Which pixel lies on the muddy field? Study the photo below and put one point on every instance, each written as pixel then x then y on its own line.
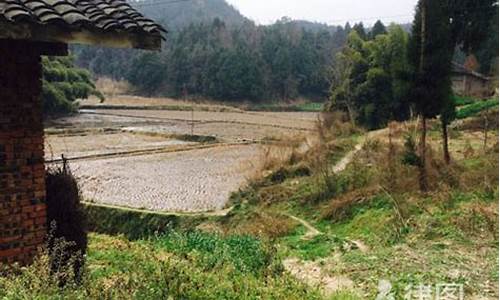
pixel 145 158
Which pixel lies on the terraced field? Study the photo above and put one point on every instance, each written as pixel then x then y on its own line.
pixel 147 158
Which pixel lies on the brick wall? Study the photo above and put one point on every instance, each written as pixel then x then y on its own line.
pixel 22 174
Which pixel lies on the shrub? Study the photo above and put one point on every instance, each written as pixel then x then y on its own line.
pixel 266 225
pixel 283 173
pixel 63 84
pixel 67 243
pixel 410 156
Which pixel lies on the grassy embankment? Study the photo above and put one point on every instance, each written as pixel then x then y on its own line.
pixel 373 224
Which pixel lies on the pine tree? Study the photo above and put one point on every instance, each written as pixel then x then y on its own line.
pixel 378 28
pixel 360 30
pixel 430 54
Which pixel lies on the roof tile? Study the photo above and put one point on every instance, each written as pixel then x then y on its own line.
pixel 101 15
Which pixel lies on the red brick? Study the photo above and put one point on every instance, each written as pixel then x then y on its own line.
pixel 10 239
pixel 40 220
pixel 21 135
pixel 29 222
pixel 28 209
pixel 10 252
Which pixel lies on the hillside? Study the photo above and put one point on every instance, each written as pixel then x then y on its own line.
pixel 329 223
pixel 180 14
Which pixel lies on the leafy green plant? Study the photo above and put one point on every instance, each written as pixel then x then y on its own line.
pixel 476 107
pixel 244 253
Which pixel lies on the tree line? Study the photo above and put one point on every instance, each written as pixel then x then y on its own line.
pixel 368 76
pixel 390 74
pixel 225 62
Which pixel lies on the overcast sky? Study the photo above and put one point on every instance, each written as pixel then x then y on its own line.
pixel 327 11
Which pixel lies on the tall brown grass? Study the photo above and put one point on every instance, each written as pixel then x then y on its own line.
pixel 111 88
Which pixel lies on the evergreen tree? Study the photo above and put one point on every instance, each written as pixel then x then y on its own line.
pixel 63 84
pixel 378 28
pixel 430 56
pixel 439 27
pixel 360 30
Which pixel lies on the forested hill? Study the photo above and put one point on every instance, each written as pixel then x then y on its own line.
pixel 212 51
pixel 178 14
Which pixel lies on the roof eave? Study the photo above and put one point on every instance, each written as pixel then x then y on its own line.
pixel 56 34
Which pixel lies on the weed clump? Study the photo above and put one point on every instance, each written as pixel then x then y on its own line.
pixel 67 242
pixel 243 252
pixel 264 225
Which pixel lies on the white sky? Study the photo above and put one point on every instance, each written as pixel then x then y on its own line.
pixel 336 12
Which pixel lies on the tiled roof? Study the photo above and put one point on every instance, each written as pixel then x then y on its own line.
pixel 102 16
pixel 460 69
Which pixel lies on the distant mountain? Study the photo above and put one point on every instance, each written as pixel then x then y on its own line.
pixel 316 26
pixel 174 15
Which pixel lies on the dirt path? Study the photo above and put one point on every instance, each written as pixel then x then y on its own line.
pixel 337 168
pixel 314 273
pixel 347 159
pixel 147 151
pixel 311 231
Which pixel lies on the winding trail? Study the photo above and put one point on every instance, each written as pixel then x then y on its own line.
pixel 315 273
pixel 337 168
pixel 311 230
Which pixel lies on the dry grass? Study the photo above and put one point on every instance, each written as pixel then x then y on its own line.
pixel 283 152
pixel 479 218
pixel 487 119
pixel 384 158
pixel 334 124
pixel 274 194
pixel 341 207
pixel 111 88
pixel 263 224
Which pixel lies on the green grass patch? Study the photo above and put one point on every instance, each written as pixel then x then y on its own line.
pixel 280 107
pixel 344 295
pixel 319 246
pixel 244 253
pixel 119 269
pixel 377 227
